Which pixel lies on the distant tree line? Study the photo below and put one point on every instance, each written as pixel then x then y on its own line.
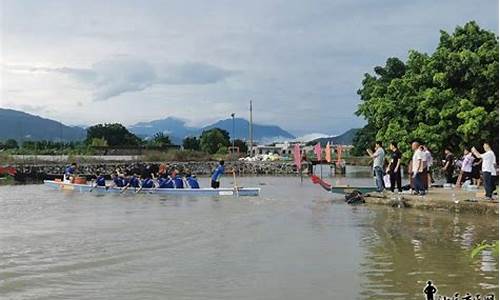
pixel 446 99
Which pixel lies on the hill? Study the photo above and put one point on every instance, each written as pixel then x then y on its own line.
pixel 178 130
pixel 19 125
pixel 343 139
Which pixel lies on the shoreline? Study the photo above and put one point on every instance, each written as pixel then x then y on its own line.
pixel 438 199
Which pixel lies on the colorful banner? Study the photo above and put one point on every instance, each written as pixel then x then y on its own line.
pixel 339 153
pixel 297 158
pixel 317 151
pixel 328 153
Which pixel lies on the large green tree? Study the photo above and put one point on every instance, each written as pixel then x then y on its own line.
pixel 448 98
pixel 191 143
pixel 114 134
pixel 214 139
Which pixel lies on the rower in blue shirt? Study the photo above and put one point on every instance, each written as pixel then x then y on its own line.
pixel 166 183
pixel 179 183
pixel 192 181
pixel 117 180
pixel 101 180
pixel 216 175
pixel 133 181
pixel 147 183
pixel 69 173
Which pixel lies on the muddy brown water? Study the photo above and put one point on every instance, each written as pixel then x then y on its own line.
pixel 293 242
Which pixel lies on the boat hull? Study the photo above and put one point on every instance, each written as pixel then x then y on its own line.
pixel 85 188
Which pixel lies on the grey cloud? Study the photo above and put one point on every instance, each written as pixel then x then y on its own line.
pixel 113 77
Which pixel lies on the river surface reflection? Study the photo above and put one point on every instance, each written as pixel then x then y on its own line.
pixel 294 242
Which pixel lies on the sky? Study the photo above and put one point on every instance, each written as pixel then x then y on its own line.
pixel 300 62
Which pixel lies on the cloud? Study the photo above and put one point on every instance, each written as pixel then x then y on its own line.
pixel 113 77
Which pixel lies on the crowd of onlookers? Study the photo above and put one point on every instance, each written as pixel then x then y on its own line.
pixel 473 168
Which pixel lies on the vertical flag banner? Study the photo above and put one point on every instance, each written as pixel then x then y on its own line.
pixel 296 156
pixel 317 151
pixel 328 153
pixel 339 153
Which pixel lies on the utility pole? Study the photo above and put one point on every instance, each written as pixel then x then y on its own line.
pixel 232 150
pixel 250 129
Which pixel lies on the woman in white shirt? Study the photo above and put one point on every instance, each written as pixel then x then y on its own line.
pixel 466 170
pixel 489 169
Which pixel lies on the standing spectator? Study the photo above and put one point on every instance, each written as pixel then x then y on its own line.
pixel 489 169
pixel 476 171
pixel 466 169
pixel 378 165
pixel 428 164
pixel 394 168
pixel 417 168
pixel 448 166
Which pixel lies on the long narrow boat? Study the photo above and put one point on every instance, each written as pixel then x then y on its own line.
pixel 342 189
pixel 240 191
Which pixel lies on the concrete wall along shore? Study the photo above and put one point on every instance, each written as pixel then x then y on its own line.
pixel 39 172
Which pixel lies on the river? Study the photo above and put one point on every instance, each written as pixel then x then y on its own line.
pixel 293 242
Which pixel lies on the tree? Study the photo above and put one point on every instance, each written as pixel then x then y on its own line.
pixel 11 144
pixel 160 139
pixel 448 98
pixel 212 140
pixel 191 143
pixel 242 145
pixel 114 134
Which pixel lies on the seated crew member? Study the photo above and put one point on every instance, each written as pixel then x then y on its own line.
pixel 179 183
pixel 192 181
pixel 69 173
pixel 147 183
pixel 165 183
pixel 101 180
pixel 117 180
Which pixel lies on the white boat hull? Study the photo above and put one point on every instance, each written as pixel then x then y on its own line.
pixel 84 188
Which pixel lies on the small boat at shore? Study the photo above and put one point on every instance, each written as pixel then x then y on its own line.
pixel 86 188
pixel 342 189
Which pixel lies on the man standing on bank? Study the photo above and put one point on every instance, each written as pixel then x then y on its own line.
pixel 489 169
pixel 394 168
pixel 378 165
pixel 216 175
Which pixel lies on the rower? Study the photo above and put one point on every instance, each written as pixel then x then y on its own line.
pixel 117 180
pixel 216 175
pixel 192 181
pixel 147 183
pixel 69 172
pixel 165 183
pixel 133 181
pixel 179 183
pixel 101 180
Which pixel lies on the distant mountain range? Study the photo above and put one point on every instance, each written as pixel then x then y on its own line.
pixel 19 125
pixel 23 126
pixel 343 139
pixel 178 130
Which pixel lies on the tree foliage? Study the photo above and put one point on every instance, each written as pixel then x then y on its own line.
pixel 114 134
pixel 242 145
pixel 214 139
pixel 448 98
pixel 161 140
pixel 191 143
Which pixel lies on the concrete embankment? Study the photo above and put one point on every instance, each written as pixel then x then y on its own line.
pixel 438 199
pixel 38 172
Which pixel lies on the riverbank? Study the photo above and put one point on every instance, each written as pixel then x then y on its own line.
pixel 438 199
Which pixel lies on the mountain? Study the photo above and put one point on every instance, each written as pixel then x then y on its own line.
pixel 177 129
pixel 241 128
pixel 23 126
pixel 343 139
